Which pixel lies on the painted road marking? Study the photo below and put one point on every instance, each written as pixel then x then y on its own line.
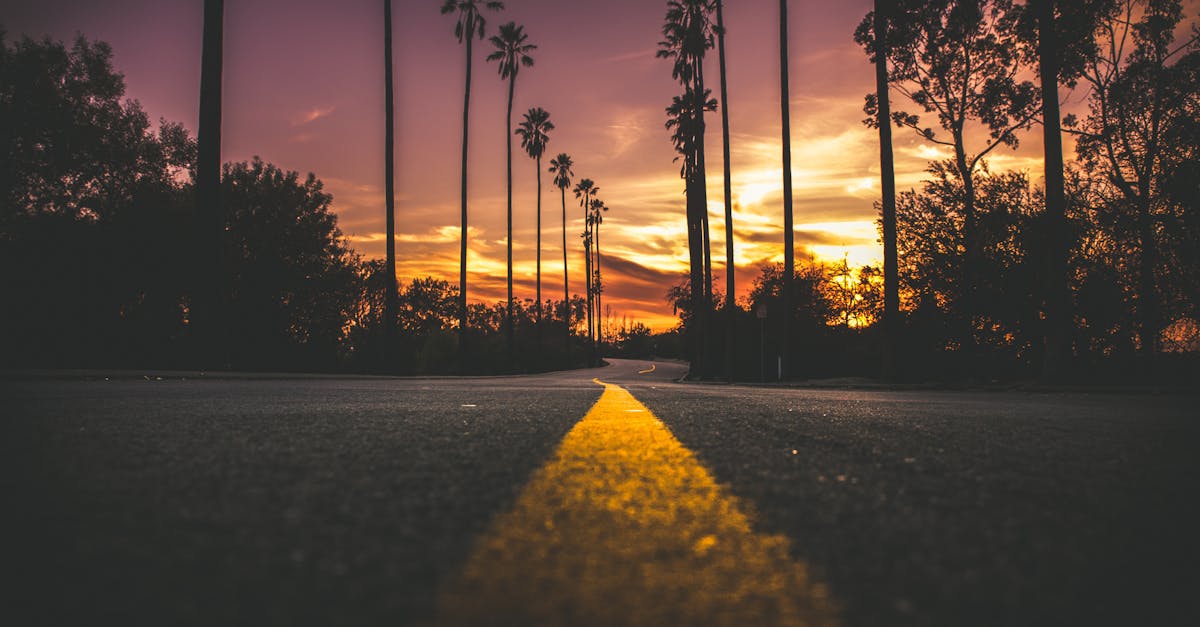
pixel 623 526
pixel 650 369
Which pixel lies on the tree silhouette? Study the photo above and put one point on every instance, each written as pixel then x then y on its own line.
pixel 585 190
pixel 880 102
pixel 291 271
pixel 1058 39
pixel 1141 136
pixel 210 314
pixel 1058 302
pixel 471 23
pixel 687 36
pixel 931 229
pixel 534 131
pixel 389 165
pixel 597 218
pixel 959 60
pixel 730 268
pixel 511 53
pixel 560 167
pixel 93 209
pixel 789 244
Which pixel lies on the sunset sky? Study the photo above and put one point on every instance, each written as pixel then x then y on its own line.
pixel 303 89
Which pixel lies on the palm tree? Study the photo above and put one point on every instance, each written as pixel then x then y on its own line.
pixel 687 35
pixel 211 308
pixel 598 207
pixel 789 254
pixel 534 131
pixel 390 305
pixel 887 173
pixel 560 167
pixel 585 189
pixel 729 265
pixel 511 52
pixel 471 23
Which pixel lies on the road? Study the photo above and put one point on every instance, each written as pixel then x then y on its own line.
pixel 600 497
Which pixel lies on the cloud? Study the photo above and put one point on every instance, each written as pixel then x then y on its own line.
pixel 312 115
pixel 638 273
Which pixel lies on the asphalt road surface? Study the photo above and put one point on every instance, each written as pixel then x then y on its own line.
pixel 612 496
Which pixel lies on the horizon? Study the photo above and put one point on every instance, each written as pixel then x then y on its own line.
pixel 302 90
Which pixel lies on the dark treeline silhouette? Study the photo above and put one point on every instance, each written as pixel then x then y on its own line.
pixel 428 337
pixel 1093 273
pixel 95 203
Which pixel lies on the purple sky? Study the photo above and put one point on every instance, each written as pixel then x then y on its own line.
pixel 303 89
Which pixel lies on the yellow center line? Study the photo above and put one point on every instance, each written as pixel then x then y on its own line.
pixel 650 369
pixel 623 526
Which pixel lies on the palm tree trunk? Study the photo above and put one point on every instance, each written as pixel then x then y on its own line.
pixel 1058 325
pixel 566 281
pixel 539 251
pixel 887 170
pixel 701 165
pixel 706 299
pixel 599 291
pixel 210 314
pixel 696 330
pixel 462 237
pixel 730 321
pixel 789 260
pixel 390 299
pixel 508 317
pixel 587 264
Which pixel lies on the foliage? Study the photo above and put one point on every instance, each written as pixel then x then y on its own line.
pixel 511 50
pixel 472 21
pixel 71 145
pixel 534 131
pixel 1140 142
pixel 91 213
pixel 291 276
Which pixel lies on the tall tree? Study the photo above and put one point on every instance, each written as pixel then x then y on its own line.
pixel 534 131
pixel 585 190
pixel 1058 295
pixel 208 188
pixel 1058 38
pixel 682 121
pixel 560 167
pixel 389 165
pixel 730 268
pixel 880 104
pixel 1140 130
pixel 789 243
pixel 687 36
pixel 959 61
pixel 471 23
pixel 598 209
pixel 511 52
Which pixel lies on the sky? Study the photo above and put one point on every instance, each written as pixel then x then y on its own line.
pixel 303 88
